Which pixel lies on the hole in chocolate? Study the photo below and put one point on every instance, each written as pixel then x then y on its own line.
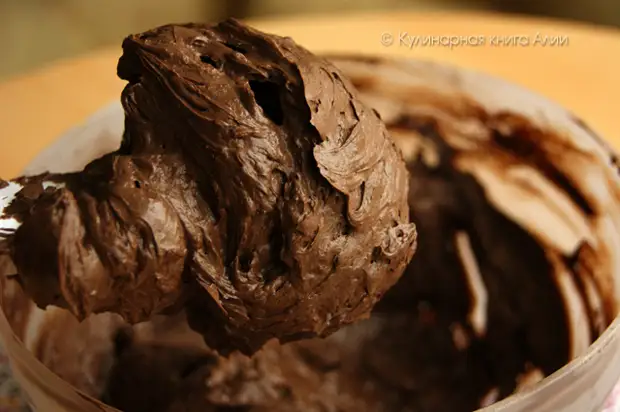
pixel 347 228
pixel 267 96
pixel 236 47
pixel 137 184
pixel 315 106
pixel 245 261
pixel 279 182
pixel 208 60
pixel 276 267
pixel 335 263
pixel 376 254
pixel 286 392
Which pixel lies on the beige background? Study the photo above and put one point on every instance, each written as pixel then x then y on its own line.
pixel 36 32
pixel 37 107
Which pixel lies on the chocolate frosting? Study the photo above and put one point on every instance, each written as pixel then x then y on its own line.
pixel 252 187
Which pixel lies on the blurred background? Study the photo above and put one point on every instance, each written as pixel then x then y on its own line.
pixel 35 32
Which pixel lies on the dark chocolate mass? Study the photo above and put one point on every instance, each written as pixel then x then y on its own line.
pixel 252 187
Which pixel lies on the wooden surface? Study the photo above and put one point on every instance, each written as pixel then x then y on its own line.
pixel 583 75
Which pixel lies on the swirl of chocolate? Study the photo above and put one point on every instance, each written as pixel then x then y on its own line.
pixel 251 187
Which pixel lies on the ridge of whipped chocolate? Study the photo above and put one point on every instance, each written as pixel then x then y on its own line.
pixel 252 187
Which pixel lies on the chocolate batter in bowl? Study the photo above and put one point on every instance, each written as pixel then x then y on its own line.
pixel 517 205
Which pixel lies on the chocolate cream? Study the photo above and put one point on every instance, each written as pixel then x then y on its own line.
pixel 252 188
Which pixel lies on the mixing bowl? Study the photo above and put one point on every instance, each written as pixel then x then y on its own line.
pixel 456 97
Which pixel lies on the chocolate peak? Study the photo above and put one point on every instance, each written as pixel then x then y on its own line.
pixel 252 187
